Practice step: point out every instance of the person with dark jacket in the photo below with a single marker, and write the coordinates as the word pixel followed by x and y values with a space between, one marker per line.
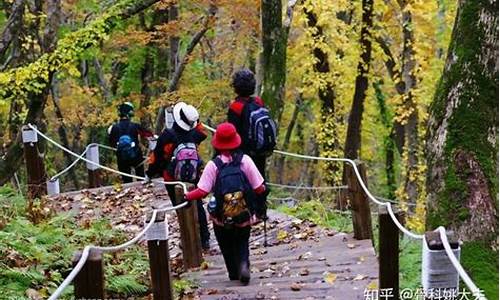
pixel 235 192
pixel 186 130
pixel 124 135
pixel 243 83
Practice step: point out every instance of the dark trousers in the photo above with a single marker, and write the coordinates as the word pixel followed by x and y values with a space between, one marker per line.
pixel 260 163
pixel 126 167
pixel 233 244
pixel 202 216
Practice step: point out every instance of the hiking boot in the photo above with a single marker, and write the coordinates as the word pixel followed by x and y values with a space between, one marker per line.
pixel 244 273
pixel 233 277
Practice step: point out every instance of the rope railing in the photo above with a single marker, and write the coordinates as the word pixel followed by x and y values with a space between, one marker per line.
pixel 85 253
pixel 184 186
pixel 78 267
pixel 465 277
pixel 298 187
pixel 73 163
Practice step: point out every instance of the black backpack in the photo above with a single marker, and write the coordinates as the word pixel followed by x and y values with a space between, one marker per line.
pixel 233 194
pixel 259 129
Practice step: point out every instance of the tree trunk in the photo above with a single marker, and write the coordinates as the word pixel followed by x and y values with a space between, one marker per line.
pixel 389 144
pixel 61 130
pixel 274 42
pixel 12 159
pixel 353 139
pixel 462 141
pixel 412 189
pixel 280 164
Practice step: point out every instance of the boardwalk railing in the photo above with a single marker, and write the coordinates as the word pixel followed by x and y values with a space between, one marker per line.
pixel 434 247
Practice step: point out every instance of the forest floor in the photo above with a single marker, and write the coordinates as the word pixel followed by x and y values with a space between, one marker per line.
pixel 35 257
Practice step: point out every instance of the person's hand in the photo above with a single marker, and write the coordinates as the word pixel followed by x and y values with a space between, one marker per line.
pixel 188 205
pixel 147 180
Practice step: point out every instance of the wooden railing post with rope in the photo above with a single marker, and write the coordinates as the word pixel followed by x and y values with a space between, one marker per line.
pixel 35 168
pixel 89 282
pixel 190 232
pixel 440 253
pixel 157 237
pixel 360 206
pixel 93 170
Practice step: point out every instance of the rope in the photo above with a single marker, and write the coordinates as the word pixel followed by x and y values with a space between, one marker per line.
pixel 340 187
pixel 87 249
pixel 73 163
pixel 465 277
pixel 360 180
pixel 19 189
pixel 104 167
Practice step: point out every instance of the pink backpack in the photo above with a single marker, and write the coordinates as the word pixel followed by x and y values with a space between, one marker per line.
pixel 186 162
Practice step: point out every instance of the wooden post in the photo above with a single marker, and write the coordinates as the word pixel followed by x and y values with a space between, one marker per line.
pixel 89 283
pixel 35 167
pixel 93 170
pixel 157 237
pixel 190 232
pixel 360 206
pixel 388 253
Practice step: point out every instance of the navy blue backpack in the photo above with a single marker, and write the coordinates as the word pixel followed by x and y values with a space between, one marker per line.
pixel 234 196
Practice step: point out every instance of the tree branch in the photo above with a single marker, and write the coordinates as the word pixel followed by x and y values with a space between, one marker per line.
pixel 174 82
pixel 10 162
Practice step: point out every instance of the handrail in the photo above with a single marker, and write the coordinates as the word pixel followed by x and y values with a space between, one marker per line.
pixel 441 229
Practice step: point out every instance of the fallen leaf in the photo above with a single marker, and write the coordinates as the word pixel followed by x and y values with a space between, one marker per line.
pixel 204 265
pixel 304 272
pixel 360 277
pixel 282 235
pixel 296 286
pixel 329 277
pixel 305 256
pixel 351 246
pixel 373 285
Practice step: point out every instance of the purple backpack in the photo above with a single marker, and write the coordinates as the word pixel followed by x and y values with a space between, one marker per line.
pixel 186 162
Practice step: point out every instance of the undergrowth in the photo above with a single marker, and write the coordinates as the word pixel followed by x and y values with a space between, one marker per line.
pixel 36 258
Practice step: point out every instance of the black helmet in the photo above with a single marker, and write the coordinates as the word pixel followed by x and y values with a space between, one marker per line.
pixel 244 82
pixel 126 110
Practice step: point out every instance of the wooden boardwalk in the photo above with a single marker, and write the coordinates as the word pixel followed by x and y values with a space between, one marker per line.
pixel 302 261
pixel 307 263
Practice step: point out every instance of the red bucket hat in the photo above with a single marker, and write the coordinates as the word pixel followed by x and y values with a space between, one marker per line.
pixel 226 137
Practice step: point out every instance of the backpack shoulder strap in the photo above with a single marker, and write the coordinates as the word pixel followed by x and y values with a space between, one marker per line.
pixel 237 157
pixel 218 163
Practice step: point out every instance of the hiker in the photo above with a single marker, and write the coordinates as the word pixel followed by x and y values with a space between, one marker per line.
pixel 252 121
pixel 176 158
pixel 124 135
pixel 238 188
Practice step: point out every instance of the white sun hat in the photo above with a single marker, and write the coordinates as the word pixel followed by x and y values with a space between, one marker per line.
pixel 186 116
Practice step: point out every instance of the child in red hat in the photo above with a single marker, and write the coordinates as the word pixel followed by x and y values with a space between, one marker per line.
pixel 236 184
